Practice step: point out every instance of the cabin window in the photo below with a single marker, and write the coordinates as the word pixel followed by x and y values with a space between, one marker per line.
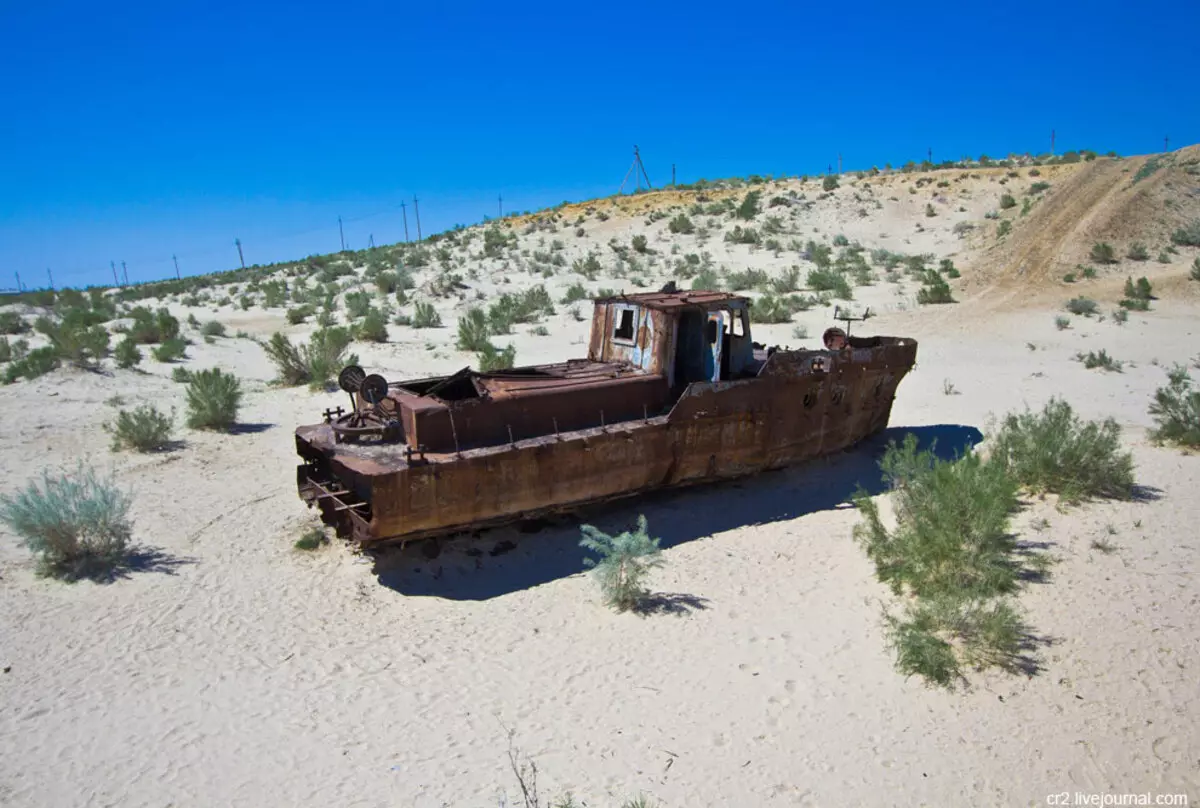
pixel 738 323
pixel 623 319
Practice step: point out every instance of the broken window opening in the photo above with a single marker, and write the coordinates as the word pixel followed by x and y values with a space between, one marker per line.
pixel 624 329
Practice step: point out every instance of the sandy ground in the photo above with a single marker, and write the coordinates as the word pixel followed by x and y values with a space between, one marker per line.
pixel 234 670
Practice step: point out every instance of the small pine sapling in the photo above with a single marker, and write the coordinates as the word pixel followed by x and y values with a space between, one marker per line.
pixel 625 561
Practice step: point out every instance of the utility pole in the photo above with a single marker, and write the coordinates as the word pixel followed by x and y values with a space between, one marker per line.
pixel 829 168
pixel 500 203
pixel 341 234
pixel 125 273
pixel 930 153
pixel 1051 142
pixel 417 213
pixel 839 163
pixel 1166 144
pixel 176 260
pixel 638 170
pixel 371 240
pixel 404 212
pixel 238 243
pixel 50 275
pixel 20 288
pixel 672 175
pixel 116 281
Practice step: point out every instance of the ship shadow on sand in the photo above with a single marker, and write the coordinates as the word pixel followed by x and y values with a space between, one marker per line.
pixel 491 563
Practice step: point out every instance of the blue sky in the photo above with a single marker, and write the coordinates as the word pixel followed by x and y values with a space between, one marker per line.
pixel 133 132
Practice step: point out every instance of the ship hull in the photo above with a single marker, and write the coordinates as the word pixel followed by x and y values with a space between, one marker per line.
pixel 801 405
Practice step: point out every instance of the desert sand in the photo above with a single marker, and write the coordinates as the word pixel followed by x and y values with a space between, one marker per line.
pixel 235 670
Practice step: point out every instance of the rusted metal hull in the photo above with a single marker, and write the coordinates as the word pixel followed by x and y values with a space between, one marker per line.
pixel 800 405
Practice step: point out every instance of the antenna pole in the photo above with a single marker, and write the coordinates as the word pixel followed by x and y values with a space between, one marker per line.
pixel 1051 142
pixel 238 243
pixel 176 260
pixel 672 175
pixel 116 281
pixel 417 212
pixel 371 240
pixel 500 203
pixel 341 234
pixel 125 273
pixel 930 153
pixel 1166 144
pixel 839 164
pixel 404 212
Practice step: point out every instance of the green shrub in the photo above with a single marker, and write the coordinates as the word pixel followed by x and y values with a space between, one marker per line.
pixel 934 290
pixel 170 350
pixel 1135 304
pixel 473 331
pixel 11 323
pixel 1142 290
pixel 639 243
pixel 1195 273
pixel 127 353
pixel 181 375
pixel 213 399
pixel 1055 452
pixel 1038 187
pixel 1101 359
pixel 1176 410
pixel 789 281
pixel 144 429
pixel 1138 252
pixel 312 539
pixel 829 183
pixel 299 314
pixel 6 354
pixel 749 207
pixel 1062 323
pixel 373 327
pixel 576 291
pixel 936 638
pixel 76 342
pixel 681 224
pixel 1103 253
pixel 1004 228
pixel 358 304
pixel 740 235
pixel 425 315
pixel 1007 201
pixel 492 358
pixel 771 309
pixel 151 327
pixel 952 534
pixel 37 362
pixel 625 560
pixel 1082 306
pixel 1188 235
pixel 315 363
pixel 77 524
pixel 213 328
pixel 830 280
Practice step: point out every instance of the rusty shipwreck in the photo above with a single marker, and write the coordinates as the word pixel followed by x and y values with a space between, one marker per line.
pixel 673 392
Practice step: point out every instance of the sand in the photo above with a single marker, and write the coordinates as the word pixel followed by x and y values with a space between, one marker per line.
pixel 235 670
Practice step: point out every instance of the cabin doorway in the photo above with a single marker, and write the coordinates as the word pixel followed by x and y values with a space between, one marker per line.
pixel 700 347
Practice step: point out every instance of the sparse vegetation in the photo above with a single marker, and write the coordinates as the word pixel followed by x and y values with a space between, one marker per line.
pixel 934 289
pixel 1138 252
pixel 144 429
pixel 1007 201
pixel 213 399
pixel 1099 359
pixel 1081 306
pixel 681 225
pixel 952 551
pixel 1176 410
pixel 314 363
pixel 425 315
pixel 171 350
pixel 1062 323
pixel 311 539
pixel 1103 253
pixel 491 358
pixel 1056 452
pixel 373 327
pixel 37 362
pixel 829 183
pixel 625 560
pixel 1188 235
pixel 77 524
